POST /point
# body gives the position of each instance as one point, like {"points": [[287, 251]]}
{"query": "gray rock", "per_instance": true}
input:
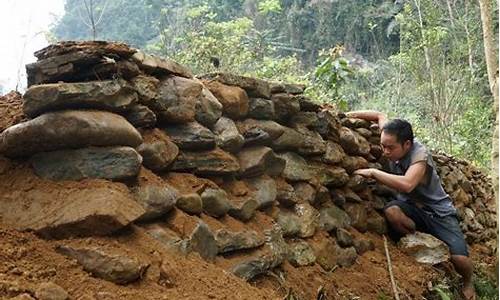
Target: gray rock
{"points": [[332, 218], [289, 223], [168, 238], [296, 167], [302, 143], [424, 248], [203, 241], [346, 257], [158, 151], [307, 104], [191, 136], [156, 200], [283, 87], [176, 101], [112, 163], [309, 219], [147, 87], [357, 183], [265, 190], [208, 108], [215, 162], [338, 197], [215, 202], [261, 109], [243, 208], [329, 176], [351, 196], [259, 132], [160, 65], [323, 196], [305, 119], [68, 129], [355, 123], [285, 106], [376, 223], [141, 116], [301, 254], [115, 268], [190, 203], [273, 256], [255, 161], [344, 238], [352, 163], [285, 193], [254, 87], [353, 143], [50, 291], [228, 241], [112, 95], [363, 245], [358, 215], [305, 192], [227, 135]]}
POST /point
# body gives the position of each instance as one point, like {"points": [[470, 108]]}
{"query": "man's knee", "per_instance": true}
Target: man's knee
{"points": [[394, 214]]}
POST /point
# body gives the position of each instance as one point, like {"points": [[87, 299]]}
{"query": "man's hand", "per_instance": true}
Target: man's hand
{"points": [[368, 173]]}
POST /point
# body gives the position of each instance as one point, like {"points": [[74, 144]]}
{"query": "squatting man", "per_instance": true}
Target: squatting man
{"points": [[421, 203]]}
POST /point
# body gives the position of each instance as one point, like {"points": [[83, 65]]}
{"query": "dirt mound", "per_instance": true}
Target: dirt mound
{"points": [[11, 110]]}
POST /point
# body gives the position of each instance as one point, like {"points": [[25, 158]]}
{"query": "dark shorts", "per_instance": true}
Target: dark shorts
{"points": [[446, 228]]}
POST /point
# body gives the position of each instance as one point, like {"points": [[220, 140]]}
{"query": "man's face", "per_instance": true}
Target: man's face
{"points": [[393, 150]]}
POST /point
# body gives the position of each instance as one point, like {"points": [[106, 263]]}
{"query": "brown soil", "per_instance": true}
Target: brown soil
{"points": [[11, 110]]}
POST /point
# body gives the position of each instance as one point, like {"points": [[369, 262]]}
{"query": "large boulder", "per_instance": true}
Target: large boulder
{"points": [[112, 163], [112, 267], [214, 162], [68, 129], [191, 136], [112, 95]]}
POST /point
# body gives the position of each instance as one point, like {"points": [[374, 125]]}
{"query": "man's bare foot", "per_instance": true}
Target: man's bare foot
{"points": [[469, 292]]}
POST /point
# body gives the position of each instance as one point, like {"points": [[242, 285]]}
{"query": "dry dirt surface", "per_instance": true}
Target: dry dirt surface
{"points": [[11, 110]]}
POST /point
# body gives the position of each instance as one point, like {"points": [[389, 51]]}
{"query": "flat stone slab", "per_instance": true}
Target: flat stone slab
{"points": [[254, 87], [83, 211], [255, 161], [160, 65], [68, 129], [214, 162], [115, 268], [112, 95], [112, 163], [228, 241]]}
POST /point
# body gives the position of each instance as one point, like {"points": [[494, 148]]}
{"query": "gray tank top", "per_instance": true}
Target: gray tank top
{"points": [[430, 194]]}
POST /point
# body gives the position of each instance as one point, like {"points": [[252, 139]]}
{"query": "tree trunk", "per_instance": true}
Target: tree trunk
{"points": [[492, 67]]}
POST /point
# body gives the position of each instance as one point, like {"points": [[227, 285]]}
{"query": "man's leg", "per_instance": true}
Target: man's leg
{"points": [[463, 265], [399, 221]]}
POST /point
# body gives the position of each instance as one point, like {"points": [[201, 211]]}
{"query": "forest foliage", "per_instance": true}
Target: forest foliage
{"points": [[422, 60]]}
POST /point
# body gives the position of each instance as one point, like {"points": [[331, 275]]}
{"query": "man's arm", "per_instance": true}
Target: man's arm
{"points": [[403, 183], [369, 115]]}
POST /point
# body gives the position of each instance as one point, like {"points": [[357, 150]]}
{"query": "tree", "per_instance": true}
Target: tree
{"points": [[93, 15]]}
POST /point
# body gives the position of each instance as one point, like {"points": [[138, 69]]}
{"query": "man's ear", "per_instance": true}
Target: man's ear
{"points": [[406, 145]]}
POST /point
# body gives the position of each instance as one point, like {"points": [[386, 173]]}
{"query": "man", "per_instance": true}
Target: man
{"points": [[421, 203]]}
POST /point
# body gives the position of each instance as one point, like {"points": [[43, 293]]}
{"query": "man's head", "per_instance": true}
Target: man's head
{"points": [[396, 139]]}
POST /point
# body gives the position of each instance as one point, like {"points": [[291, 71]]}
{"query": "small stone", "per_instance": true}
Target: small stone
{"points": [[50, 291], [344, 238], [215, 202], [203, 241], [190, 203], [301, 254]]}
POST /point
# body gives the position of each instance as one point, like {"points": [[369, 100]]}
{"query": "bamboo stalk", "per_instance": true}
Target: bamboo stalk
{"points": [[389, 267]]}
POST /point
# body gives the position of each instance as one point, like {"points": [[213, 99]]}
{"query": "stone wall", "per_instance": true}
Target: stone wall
{"points": [[195, 150]]}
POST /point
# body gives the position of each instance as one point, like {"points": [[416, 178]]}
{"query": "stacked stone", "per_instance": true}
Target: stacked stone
{"points": [[216, 147], [473, 195]]}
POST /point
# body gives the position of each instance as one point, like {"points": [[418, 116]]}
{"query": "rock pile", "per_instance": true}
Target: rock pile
{"points": [[242, 171]]}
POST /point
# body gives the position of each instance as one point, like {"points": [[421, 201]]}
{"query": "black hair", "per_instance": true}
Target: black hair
{"points": [[401, 129]]}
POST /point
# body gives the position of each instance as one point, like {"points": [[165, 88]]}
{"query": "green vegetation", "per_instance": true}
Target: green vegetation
{"points": [[422, 60]]}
